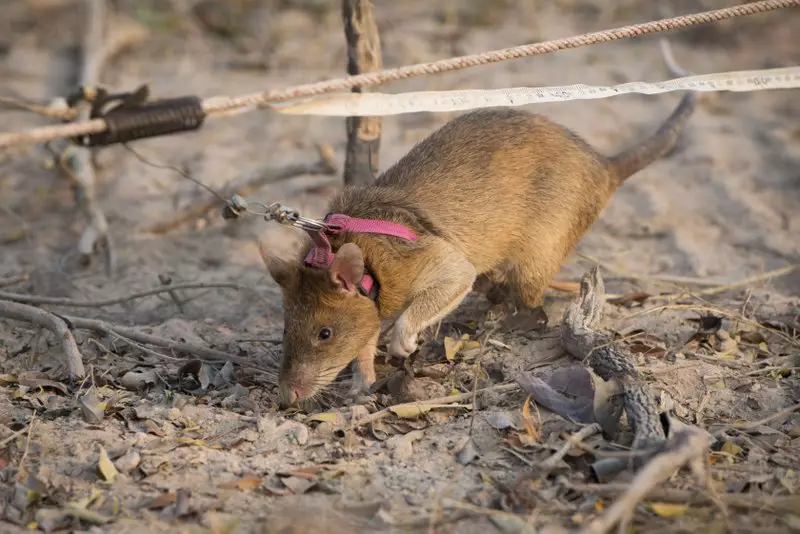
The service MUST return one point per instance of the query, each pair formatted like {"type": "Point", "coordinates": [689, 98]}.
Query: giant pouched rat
{"type": "Point", "coordinates": [496, 191]}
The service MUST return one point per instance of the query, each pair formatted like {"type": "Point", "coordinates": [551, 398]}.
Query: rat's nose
{"type": "Point", "coordinates": [287, 397]}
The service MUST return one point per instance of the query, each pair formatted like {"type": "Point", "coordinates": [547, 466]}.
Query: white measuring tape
{"type": "Point", "coordinates": [382, 104]}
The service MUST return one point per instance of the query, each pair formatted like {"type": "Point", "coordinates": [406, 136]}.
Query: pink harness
{"type": "Point", "coordinates": [321, 255]}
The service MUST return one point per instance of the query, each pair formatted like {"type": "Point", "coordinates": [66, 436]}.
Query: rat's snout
{"type": "Point", "coordinates": [296, 382]}
{"type": "Point", "coordinates": [287, 396]}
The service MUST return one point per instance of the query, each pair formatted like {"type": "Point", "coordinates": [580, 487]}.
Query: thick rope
{"type": "Point", "coordinates": [220, 105]}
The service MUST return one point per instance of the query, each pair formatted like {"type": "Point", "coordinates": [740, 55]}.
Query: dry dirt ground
{"type": "Point", "coordinates": [212, 453]}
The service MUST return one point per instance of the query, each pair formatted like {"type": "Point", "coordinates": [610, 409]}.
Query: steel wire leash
{"type": "Point", "coordinates": [140, 120]}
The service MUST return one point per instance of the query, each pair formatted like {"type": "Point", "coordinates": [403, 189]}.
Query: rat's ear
{"type": "Point", "coordinates": [282, 271]}
{"type": "Point", "coordinates": [348, 267]}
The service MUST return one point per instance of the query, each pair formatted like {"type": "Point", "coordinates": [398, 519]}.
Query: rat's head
{"type": "Point", "coordinates": [326, 321]}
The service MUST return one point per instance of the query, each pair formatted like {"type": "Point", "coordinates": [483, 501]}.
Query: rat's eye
{"type": "Point", "coordinates": [325, 333]}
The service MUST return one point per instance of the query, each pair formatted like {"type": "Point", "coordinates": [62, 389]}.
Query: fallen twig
{"type": "Point", "coordinates": [574, 439]}
{"type": "Point", "coordinates": [709, 308]}
{"type": "Point", "coordinates": [149, 339]}
{"type": "Point", "coordinates": [30, 314]}
{"type": "Point", "coordinates": [714, 285]}
{"type": "Point", "coordinates": [683, 448]}
{"type": "Point", "coordinates": [11, 280]}
{"type": "Point", "coordinates": [377, 416]}
{"type": "Point", "coordinates": [750, 425]}
{"type": "Point", "coordinates": [58, 301]}
{"type": "Point", "coordinates": [746, 501]}
{"type": "Point", "coordinates": [249, 184]}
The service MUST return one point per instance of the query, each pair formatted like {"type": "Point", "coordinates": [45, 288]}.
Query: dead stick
{"type": "Point", "coordinates": [750, 425]}
{"type": "Point", "coordinates": [149, 339]}
{"type": "Point", "coordinates": [686, 445]}
{"type": "Point", "coordinates": [363, 55]}
{"type": "Point", "coordinates": [11, 280]}
{"type": "Point", "coordinates": [56, 301]}
{"type": "Point", "coordinates": [750, 501]}
{"type": "Point", "coordinates": [371, 418]}
{"type": "Point", "coordinates": [78, 160]}
{"type": "Point", "coordinates": [575, 438]}
{"type": "Point", "coordinates": [247, 185]}
{"type": "Point", "coordinates": [30, 314]}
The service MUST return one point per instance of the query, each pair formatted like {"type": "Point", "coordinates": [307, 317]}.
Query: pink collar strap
{"type": "Point", "coordinates": [321, 254]}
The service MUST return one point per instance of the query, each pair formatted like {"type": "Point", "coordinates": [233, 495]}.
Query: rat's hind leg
{"type": "Point", "coordinates": [449, 278]}
{"type": "Point", "coordinates": [494, 285]}
{"type": "Point", "coordinates": [530, 278]}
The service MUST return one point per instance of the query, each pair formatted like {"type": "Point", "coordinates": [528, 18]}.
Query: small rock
{"type": "Point", "coordinates": [500, 420]}
{"type": "Point", "coordinates": [249, 434]}
{"type": "Point", "coordinates": [128, 462]}
{"type": "Point", "coordinates": [138, 380]}
{"type": "Point", "coordinates": [467, 452]}
{"type": "Point", "coordinates": [294, 432]}
{"type": "Point", "coordinates": [402, 446]}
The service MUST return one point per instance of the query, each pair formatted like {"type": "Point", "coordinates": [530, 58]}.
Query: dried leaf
{"type": "Point", "coordinates": [206, 375]}
{"type": "Point", "coordinates": [452, 346]}
{"type": "Point", "coordinates": [731, 448]}
{"type": "Point", "coordinates": [526, 321]}
{"type": "Point", "coordinates": [245, 483]}
{"type": "Point", "coordinates": [707, 324]}
{"type": "Point", "coordinates": [511, 524]}
{"type": "Point", "coordinates": [32, 381]}
{"type": "Point", "coordinates": [630, 299]}
{"type": "Point", "coordinates": [578, 406]}
{"type": "Point", "coordinates": [608, 405]}
{"type": "Point", "coordinates": [754, 338]}
{"type": "Point", "coordinates": [93, 410]}
{"type": "Point", "coordinates": [90, 516]}
{"type": "Point", "coordinates": [299, 485]}
{"type": "Point", "coordinates": [182, 506]}
{"type": "Point", "coordinates": [531, 434]}
{"type": "Point", "coordinates": [221, 524]}
{"type": "Point", "coordinates": [411, 411]}
{"type": "Point", "coordinates": [128, 462]}
{"type": "Point", "coordinates": [162, 501]}
{"type": "Point", "coordinates": [324, 417]}
{"type": "Point", "coordinates": [7, 380]}
{"type": "Point", "coordinates": [500, 420]}
{"type": "Point", "coordinates": [106, 467]}
{"type": "Point", "coordinates": [467, 452]}
{"type": "Point", "coordinates": [138, 380]}
{"type": "Point", "coordinates": [224, 376]}
{"type": "Point", "coordinates": [668, 510]}
{"type": "Point", "coordinates": [197, 443]}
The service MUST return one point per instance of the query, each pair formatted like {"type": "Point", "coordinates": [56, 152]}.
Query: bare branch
{"type": "Point", "coordinates": [688, 444]}
{"type": "Point", "coordinates": [30, 314]}
{"type": "Point", "coordinates": [58, 301]}
{"type": "Point", "coordinates": [137, 335]}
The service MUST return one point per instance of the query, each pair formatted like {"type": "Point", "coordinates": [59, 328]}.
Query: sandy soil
{"type": "Point", "coordinates": [724, 206]}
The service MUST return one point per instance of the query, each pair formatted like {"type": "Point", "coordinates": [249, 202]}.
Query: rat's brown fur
{"type": "Point", "coordinates": [494, 191]}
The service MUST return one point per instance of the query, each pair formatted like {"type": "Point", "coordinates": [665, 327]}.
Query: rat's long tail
{"type": "Point", "coordinates": [629, 162]}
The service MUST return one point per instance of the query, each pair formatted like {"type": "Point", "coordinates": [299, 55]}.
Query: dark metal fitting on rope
{"type": "Point", "coordinates": [133, 118]}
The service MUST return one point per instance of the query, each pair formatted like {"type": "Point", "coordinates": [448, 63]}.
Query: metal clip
{"type": "Point", "coordinates": [290, 216]}
{"type": "Point", "coordinates": [274, 212]}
